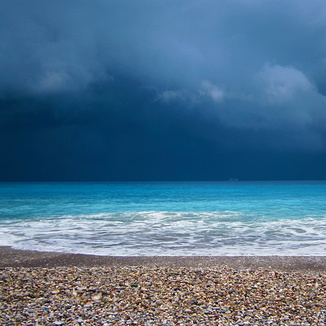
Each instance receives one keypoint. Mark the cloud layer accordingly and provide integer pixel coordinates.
(85, 78)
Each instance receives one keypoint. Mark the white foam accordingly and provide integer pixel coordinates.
(168, 233)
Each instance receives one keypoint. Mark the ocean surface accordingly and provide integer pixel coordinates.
(193, 218)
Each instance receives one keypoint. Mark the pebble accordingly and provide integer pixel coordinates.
(160, 296)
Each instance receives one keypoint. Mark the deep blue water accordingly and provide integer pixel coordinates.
(231, 218)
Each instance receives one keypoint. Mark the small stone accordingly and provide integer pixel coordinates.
(97, 297)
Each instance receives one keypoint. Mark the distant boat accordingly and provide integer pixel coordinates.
(233, 179)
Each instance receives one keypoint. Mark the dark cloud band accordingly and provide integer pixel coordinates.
(161, 86)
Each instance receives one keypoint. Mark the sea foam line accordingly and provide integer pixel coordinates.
(172, 233)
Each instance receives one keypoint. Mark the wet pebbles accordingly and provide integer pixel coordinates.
(160, 296)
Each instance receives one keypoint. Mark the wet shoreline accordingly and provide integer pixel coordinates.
(10, 257)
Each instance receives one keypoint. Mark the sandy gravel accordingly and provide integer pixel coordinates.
(64, 289)
(160, 296)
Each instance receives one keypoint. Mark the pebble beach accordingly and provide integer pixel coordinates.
(55, 289)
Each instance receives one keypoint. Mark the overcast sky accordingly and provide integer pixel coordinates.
(162, 90)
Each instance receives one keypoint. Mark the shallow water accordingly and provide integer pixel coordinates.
(231, 218)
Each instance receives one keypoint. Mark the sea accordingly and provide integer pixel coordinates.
(166, 218)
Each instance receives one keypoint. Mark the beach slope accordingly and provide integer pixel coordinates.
(42, 288)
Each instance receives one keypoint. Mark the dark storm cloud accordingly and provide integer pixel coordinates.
(128, 85)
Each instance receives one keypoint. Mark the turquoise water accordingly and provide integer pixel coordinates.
(231, 218)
